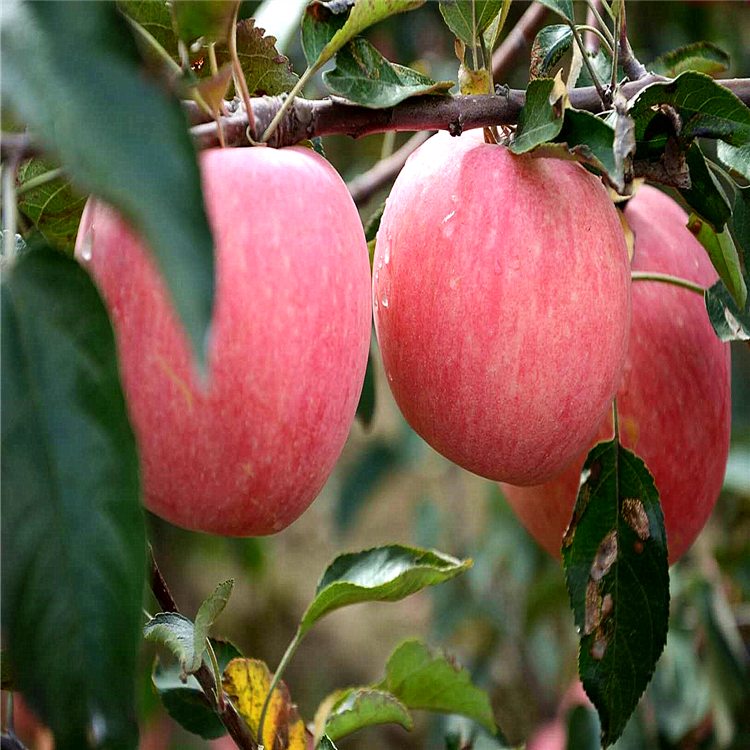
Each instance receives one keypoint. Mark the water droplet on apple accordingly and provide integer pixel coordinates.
(87, 245)
(376, 303)
(387, 251)
(449, 216)
(384, 302)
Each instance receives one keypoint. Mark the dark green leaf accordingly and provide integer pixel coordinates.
(73, 539)
(55, 207)
(705, 196)
(427, 679)
(73, 73)
(729, 322)
(550, 45)
(211, 608)
(458, 16)
(365, 707)
(363, 76)
(266, 71)
(209, 18)
(705, 57)
(706, 109)
(366, 405)
(615, 557)
(177, 633)
(736, 158)
(601, 63)
(720, 248)
(155, 17)
(326, 743)
(7, 679)
(541, 117)
(741, 223)
(329, 24)
(381, 574)
(583, 729)
(185, 702)
(563, 8)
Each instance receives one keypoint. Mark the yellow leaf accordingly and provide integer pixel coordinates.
(246, 682)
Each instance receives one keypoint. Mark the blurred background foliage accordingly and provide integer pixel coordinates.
(508, 618)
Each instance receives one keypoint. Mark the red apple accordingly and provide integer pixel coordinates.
(501, 295)
(247, 454)
(674, 401)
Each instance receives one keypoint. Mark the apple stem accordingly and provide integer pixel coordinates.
(667, 279)
(285, 659)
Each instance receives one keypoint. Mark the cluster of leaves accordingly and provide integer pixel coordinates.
(75, 76)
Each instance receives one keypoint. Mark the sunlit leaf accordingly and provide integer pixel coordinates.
(247, 682)
(209, 18)
(381, 574)
(705, 57)
(467, 25)
(357, 708)
(737, 158)
(363, 76)
(615, 557)
(211, 608)
(177, 633)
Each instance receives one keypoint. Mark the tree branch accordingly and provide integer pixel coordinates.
(310, 118)
(235, 724)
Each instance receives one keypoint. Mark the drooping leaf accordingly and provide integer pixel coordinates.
(737, 158)
(329, 24)
(427, 679)
(55, 207)
(705, 57)
(705, 195)
(563, 8)
(729, 322)
(549, 47)
(211, 608)
(583, 729)
(366, 404)
(381, 574)
(177, 633)
(73, 538)
(615, 557)
(493, 31)
(465, 25)
(73, 73)
(723, 254)
(209, 18)
(706, 109)
(247, 682)
(185, 701)
(363, 76)
(541, 117)
(357, 708)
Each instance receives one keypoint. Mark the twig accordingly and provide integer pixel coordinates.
(633, 69)
(228, 715)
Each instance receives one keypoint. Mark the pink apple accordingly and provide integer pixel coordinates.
(247, 454)
(501, 295)
(674, 401)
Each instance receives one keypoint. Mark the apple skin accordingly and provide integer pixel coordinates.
(248, 453)
(674, 401)
(501, 295)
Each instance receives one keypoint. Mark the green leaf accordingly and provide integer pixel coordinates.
(363, 76)
(457, 14)
(705, 196)
(493, 31)
(329, 24)
(73, 538)
(385, 574)
(155, 17)
(741, 223)
(427, 679)
(365, 707)
(366, 404)
(720, 248)
(177, 633)
(185, 701)
(705, 57)
(563, 8)
(326, 743)
(266, 71)
(615, 557)
(210, 18)
(211, 608)
(706, 109)
(729, 322)
(541, 117)
(549, 47)
(737, 158)
(55, 207)
(73, 73)
(583, 729)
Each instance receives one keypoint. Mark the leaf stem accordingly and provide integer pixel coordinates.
(603, 26)
(599, 90)
(217, 674)
(239, 76)
(39, 180)
(667, 279)
(602, 38)
(474, 32)
(291, 648)
(304, 78)
(9, 212)
(615, 53)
